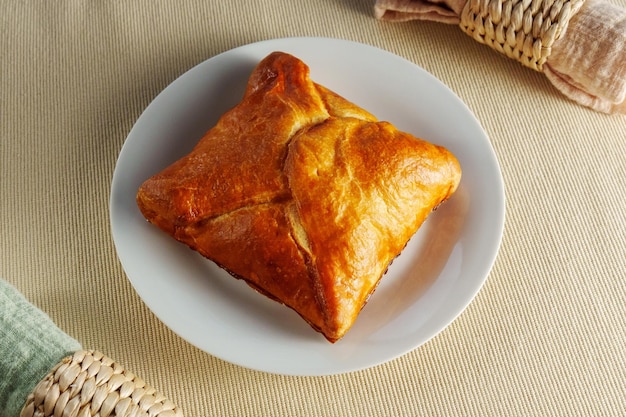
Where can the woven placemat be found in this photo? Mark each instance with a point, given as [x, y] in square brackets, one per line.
[544, 336]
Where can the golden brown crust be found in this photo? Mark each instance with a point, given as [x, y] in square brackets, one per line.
[302, 194]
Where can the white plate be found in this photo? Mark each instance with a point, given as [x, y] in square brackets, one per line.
[426, 288]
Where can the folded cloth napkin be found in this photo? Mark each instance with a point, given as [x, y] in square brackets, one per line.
[580, 45]
[44, 372]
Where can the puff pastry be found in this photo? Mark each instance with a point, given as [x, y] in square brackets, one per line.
[302, 194]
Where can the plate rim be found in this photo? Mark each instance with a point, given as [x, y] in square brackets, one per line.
[489, 261]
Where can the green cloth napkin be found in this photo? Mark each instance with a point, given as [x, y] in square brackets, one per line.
[30, 346]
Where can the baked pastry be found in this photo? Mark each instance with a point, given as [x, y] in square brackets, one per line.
[302, 194]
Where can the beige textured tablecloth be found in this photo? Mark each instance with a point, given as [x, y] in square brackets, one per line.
[544, 337]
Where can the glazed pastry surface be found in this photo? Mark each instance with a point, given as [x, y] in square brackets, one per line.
[302, 194]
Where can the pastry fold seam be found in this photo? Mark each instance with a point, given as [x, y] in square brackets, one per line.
[302, 194]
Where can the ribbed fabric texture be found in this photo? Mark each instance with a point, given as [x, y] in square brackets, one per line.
[30, 345]
[587, 62]
[544, 337]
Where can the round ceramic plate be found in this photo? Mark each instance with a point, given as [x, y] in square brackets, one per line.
[427, 286]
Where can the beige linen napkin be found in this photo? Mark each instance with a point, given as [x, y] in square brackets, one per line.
[579, 45]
